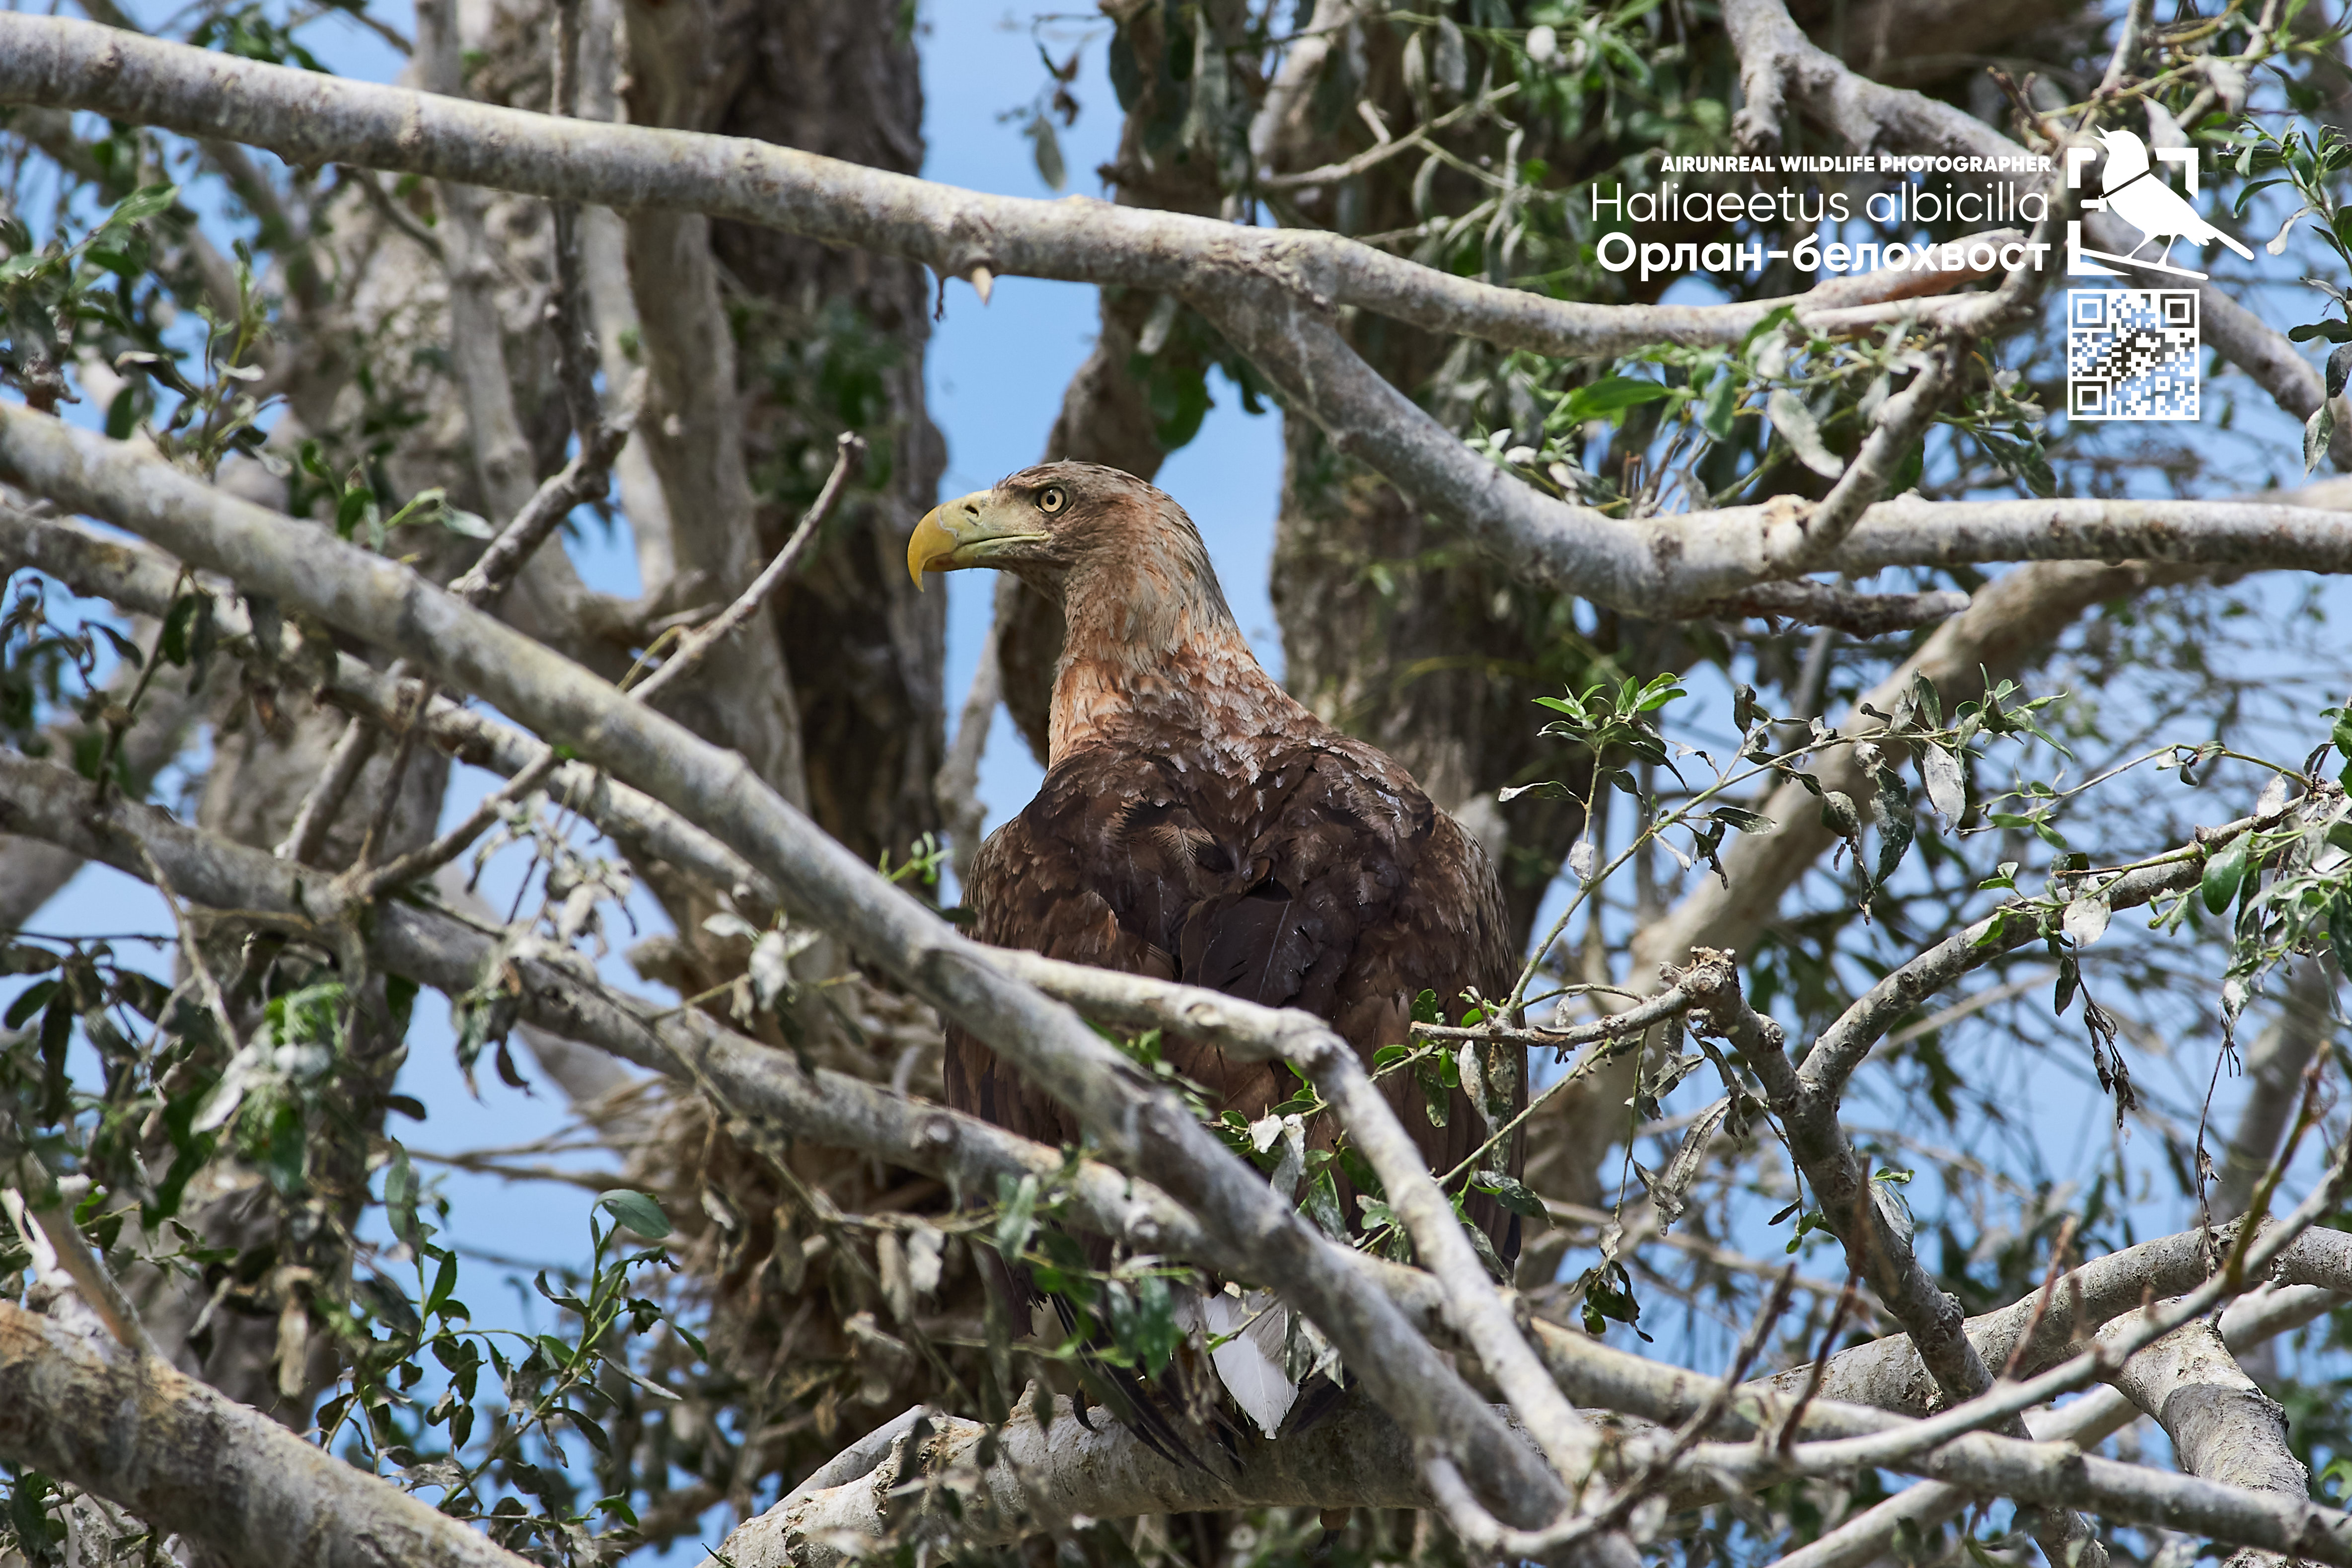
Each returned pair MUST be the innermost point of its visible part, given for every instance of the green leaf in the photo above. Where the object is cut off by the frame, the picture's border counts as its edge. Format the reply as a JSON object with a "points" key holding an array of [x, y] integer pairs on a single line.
{"points": [[174, 644], [1019, 1204], [1048, 148], [141, 203], [17, 958], [1436, 1100], [400, 1192], [123, 647], [445, 1281], [635, 1210], [1143, 1321], [1838, 815], [1611, 394], [1926, 698], [1891, 814], [1722, 401], [2224, 872], [1513, 1195], [28, 1001], [123, 413], [1743, 820]]}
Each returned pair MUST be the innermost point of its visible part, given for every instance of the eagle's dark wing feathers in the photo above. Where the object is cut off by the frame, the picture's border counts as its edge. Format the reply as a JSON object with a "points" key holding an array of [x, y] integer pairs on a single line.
{"points": [[1293, 870]]}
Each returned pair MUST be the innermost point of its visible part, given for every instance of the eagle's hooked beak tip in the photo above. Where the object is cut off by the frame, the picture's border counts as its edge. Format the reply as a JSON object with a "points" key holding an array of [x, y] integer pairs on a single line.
{"points": [[929, 545]]}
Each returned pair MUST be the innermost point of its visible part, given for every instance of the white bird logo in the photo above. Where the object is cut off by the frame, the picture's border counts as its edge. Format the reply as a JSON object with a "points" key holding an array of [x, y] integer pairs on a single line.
{"points": [[2136, 194]]}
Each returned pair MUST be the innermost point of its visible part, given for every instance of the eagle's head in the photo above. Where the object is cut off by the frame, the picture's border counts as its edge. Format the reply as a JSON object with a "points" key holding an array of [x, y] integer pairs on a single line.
{"points": [[1059, 520], [1148, 639]]}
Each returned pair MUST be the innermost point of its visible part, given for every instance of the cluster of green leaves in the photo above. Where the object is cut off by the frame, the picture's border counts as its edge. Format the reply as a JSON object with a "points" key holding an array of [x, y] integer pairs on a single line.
{"points": [[2310, 162], [1709, 425], [59, 296], [1122, 1315], [505, 1464], [356, 500], [820, 375]]}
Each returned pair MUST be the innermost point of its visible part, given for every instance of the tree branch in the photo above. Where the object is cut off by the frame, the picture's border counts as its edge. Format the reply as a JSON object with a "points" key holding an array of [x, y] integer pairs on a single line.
{"points": [[1043, 1474], [1815, 603], [2222, 1426], [137, 578], [310, 119], [1244, 1029], [1931, 1318], [849, 457], [1886, 1374], [2275, 1065], [192, 1462]]}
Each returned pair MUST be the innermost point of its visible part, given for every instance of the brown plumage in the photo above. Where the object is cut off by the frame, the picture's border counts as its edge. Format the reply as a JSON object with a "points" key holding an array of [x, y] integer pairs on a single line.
{"points": [[1198, 825]]}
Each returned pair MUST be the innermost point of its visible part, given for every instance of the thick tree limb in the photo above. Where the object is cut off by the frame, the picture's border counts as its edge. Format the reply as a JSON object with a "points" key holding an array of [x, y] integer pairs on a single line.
{"points": [[693, 433], [192, 1462], [2223, 1428], [1886, 1374], [1046, 1473], [1662, 567], [310, 119]]}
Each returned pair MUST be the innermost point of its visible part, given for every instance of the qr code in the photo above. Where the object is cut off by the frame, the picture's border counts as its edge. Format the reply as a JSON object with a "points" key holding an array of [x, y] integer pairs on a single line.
{"points": [[2131, 353]]}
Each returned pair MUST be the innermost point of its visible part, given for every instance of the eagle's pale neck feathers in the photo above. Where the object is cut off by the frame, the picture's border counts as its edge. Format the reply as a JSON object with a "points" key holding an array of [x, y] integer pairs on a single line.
{"points": [[1152, 651]]}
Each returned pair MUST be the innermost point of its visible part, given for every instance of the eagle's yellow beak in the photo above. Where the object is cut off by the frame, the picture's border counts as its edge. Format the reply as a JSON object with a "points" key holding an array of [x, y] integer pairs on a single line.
{"points": [[965, 532], [931, 548]]}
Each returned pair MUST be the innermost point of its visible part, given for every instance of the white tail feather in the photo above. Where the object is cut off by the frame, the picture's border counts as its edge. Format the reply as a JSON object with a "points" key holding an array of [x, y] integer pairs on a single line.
{"points": [[1255, 1331]]}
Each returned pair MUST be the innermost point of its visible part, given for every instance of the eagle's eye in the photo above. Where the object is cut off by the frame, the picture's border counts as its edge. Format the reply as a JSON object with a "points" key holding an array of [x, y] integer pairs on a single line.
{"points": [[1051, 498]]}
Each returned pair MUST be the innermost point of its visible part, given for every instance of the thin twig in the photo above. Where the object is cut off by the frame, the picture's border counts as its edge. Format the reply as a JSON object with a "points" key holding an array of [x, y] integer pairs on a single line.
{"points": [[83, 1266], [430, 858], [325, 799], [1670, 1003], [215, 999], [393, 213], [404, 747], [1381, 153], [1662, 1465], [2042, 1301], [1820, 1367], [849, 457]]}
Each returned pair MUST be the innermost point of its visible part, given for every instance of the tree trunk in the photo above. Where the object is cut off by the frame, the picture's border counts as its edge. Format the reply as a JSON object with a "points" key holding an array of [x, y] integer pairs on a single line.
{"points": [[830, 339]]}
